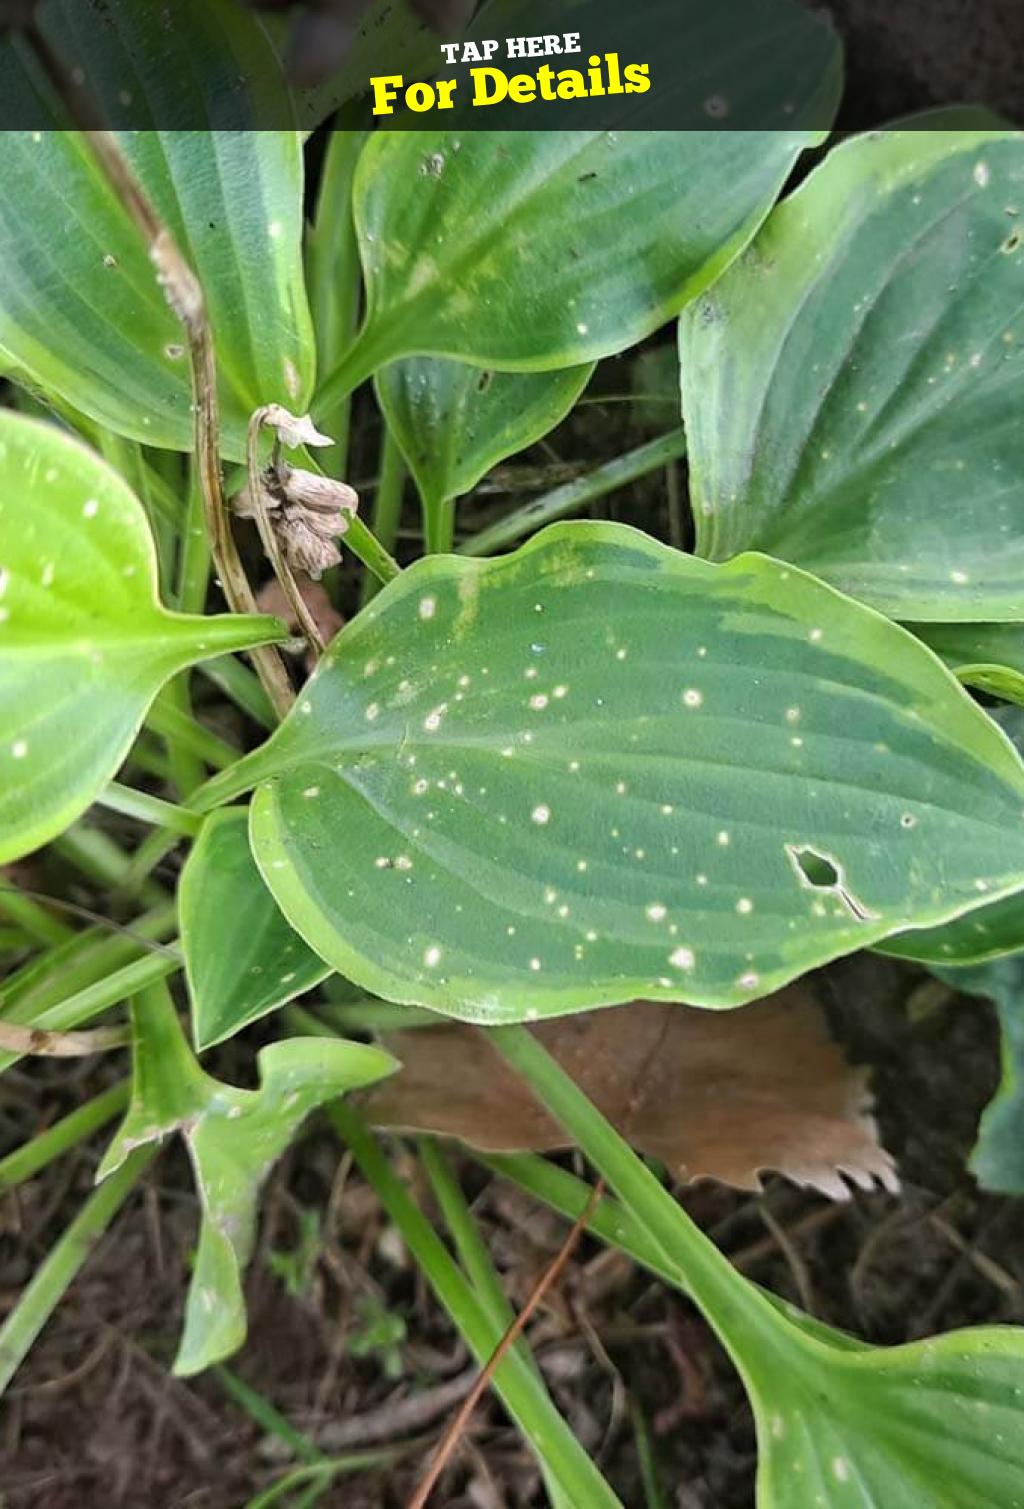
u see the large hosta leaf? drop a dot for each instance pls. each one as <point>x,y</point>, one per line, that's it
<point>937,1423</point>
<point>852,386</point>
<point>80,309</point>
<point>454,422</point>
<point>204,64</point>
<point>84,644</point>
<point>242,959</point>
<point>233,1138</point>
<point>598,769</point>
<point>533,250</point>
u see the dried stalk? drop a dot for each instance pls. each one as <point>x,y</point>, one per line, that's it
<point>184,296</point>
<point>15,1038</point>
<point>281,568</point>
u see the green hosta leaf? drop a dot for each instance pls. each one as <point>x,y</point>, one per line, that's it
<point>533,250</point>
<point>998,1158</point>
<point>598,769</point>
<point>937,1422</point>
<point>233,1138</point>
<point>84,644</point>
<point>80,308</point>
<point>748,64</point>
<point>241,957</point>
<point>989,657</point>
<point>209,63</point>
<point>454,422</point>
<point>851,387</point>
<point>390,38</point>
<point>989,932</point>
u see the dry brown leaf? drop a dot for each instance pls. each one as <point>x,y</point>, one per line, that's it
<point>271,599</point>
<point>720,1095</point>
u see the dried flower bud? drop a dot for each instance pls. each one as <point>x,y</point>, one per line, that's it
<point>322,495</point>
<point>242,503</point>
<point>292,429</point>
<point>306,548</point>
<point>307,512</point>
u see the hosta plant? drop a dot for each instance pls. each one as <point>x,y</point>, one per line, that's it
<point>521,783</point>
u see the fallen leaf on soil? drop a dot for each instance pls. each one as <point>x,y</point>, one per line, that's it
<point>719,1095</point>
<point>271,599</point>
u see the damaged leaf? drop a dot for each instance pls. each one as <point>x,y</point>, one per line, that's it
<point>711,1096</point>
<point>598,769</point>
<point>233,1138</point>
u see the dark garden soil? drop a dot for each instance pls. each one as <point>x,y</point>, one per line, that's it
<point>94,1418</point>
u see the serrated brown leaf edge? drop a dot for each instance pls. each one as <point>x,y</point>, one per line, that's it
<point>713,1095</point>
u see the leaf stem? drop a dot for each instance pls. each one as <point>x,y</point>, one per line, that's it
<point>93,999</point>
<point>33,920</point>
<point>55,1274</point>
<point>574,496</point>
<point>365,546</point>
<point>387,504</point>
<point>335,275</point>
<point>184,295</point>
<point>268,536</point>
<point>149,809</point>
<point>744,1319</point>
<point>439,525</point>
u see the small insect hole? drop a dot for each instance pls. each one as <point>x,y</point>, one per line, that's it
<point>484,381</point>
<point>816,869</point>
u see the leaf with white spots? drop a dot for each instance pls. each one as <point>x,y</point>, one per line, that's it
<point>598,769</point>
<point>851,386</point>
<point>453,422</point>
<point>528,251</point>
<point>81,311</point>
<point>988,932</point>
<point>242,960</point>
<point>84,643</point>
<point>233,1138</point>
<point>938,1422</point>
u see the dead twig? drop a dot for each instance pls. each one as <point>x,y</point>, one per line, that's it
<point>36,1042</point>
<point>453,1434</point>
<point>396,1418</point>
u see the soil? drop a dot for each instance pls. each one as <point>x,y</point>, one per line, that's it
<point>94,1416</point>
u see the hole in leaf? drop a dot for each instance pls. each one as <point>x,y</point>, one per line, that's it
<point>816,869</point>
<point>1012,242</point>
<point>484,381</point>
